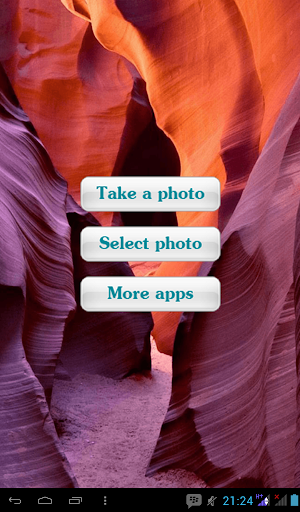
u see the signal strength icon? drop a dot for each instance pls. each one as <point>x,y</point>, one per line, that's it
<point>265,502</point>
<point>282,502</point>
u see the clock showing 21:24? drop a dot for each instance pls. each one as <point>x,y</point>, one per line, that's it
<point>241,500</point>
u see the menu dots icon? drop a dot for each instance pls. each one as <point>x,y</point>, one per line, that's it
<point>105,500</point>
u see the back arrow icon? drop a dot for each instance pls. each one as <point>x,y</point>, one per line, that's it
<point>15,501</point>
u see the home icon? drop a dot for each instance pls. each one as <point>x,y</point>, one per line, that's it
<point>45,501</point>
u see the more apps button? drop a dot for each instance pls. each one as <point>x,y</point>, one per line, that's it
<point>150,293</point>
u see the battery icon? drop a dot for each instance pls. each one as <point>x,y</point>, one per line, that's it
<point>294,500</point>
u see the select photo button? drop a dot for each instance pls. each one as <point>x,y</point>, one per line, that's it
<point>150,243</point>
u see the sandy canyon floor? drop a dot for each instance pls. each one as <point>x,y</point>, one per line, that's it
<point>109,428</point>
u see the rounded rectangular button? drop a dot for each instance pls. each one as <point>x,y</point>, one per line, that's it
<point>150,294</point>
<point>150,193</point>
<point>150,243</point>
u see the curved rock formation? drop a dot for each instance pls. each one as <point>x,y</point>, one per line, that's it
<point>37,296</point>
<point>233,410</point>
<point>38,299</point>
<point>220,79</point>
<point>112,344</point>
<point>216,89</point>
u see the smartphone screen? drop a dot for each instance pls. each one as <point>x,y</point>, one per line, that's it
<point>149,256</point>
